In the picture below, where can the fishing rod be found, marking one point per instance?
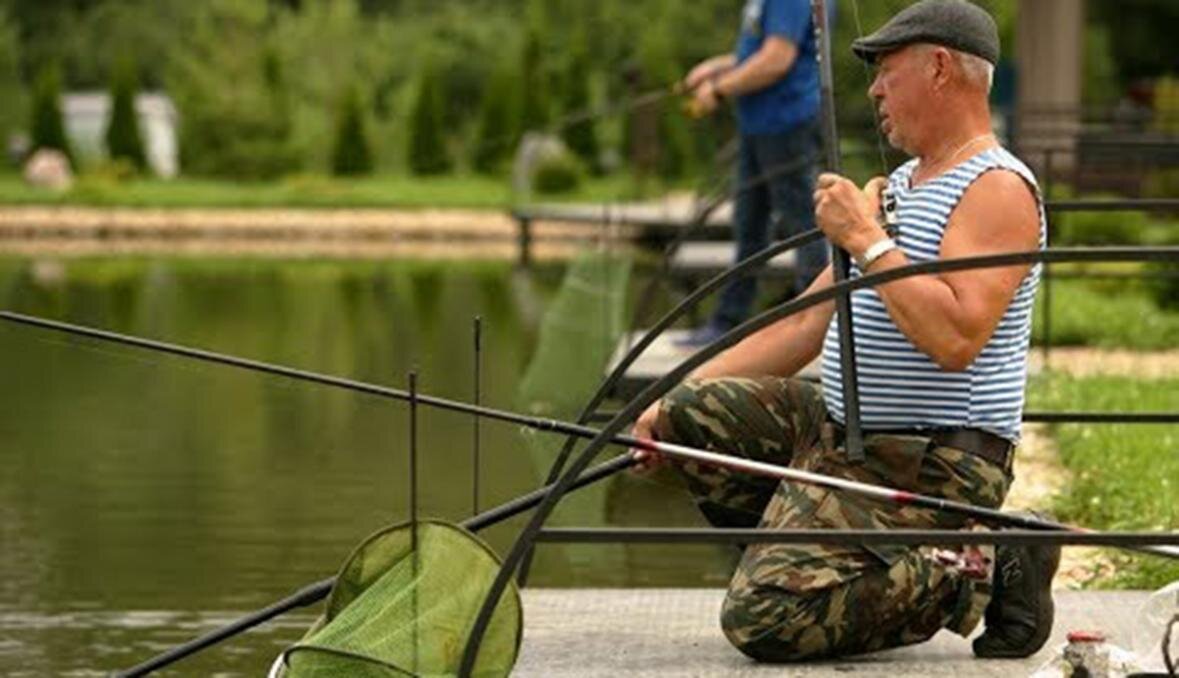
(313, 593)
(840, 260)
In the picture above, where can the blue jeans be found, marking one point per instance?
(784, 201)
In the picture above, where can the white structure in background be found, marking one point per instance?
(87, 115)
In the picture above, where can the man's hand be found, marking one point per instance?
(704, 99)
(644, 429)
(847, 214)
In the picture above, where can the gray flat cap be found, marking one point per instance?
(956, 24)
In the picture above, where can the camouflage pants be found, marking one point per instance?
(800, 602)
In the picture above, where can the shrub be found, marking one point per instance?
(1099, 228)
(352, 155)
(48, 130)
(534, 114)
(427, 143)
(498, 134)
(12, 113)
(557, 174)
(235, 120)
(580, 136)
(123, 140)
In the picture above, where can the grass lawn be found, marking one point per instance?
(1108, 314)
(1125, 476)
(305, 191)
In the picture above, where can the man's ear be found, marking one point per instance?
(944, 65)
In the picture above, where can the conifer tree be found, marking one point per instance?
(580, 136)
(48, 129)
(352, 154)
(534, 115)
(12, 112)
(123, 139)
(497, 134)
(427, 142)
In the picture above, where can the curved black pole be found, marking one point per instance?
(840, 261)
(313, 593)
(527, 536)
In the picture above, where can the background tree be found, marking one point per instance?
(352, 155)
(231, 94)
(47, 128)
(123, 139)
(427, 143)
(12, 91)
(498, 131)
(534, 113)
(581, 137)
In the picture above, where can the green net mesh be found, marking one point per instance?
(396, 610)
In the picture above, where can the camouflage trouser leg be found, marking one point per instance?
(800, 602)
(764, 419)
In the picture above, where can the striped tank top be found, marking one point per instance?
(901, 387)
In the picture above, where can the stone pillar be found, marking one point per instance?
(1049, 55)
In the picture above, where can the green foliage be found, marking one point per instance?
(12, 112)
(673, 144)
(1106, 314)
(231, 94)
(352, 155)
(1099, 228)
(581, 137)
(123, 139)
(534, 113)
(48, 128)
(1124, 477)
(1166, 105)
(427, 149)
(497, 132)
(557, 174)
(1100, 81)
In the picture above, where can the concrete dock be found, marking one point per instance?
(674, 632)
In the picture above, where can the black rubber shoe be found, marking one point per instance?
(1019, 616)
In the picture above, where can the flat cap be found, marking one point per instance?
(956, 24)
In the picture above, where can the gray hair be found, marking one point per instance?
(976, 71)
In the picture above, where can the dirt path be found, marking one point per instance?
(1088, 362)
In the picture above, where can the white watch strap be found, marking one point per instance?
(875, 251)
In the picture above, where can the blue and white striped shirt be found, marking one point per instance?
(901, 387)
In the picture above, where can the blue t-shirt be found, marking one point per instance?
(795, 98)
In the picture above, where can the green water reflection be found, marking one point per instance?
(146, 498)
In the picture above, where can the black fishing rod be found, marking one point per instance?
(313, 593)
(840, 261)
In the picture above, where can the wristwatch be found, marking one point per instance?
(875, 251)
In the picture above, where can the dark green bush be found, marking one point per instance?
(557, 174)
(580, 137)
(352, 155)
(498, 132)
(123, 138)
(48, 129)
(1099, 228)
(427, 141)
(534, 113)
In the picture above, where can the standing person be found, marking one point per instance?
(942, 370)
(773, 76)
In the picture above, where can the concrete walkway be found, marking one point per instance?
(674, 632)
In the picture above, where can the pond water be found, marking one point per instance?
(145, 498)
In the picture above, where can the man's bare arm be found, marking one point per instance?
(767, 65)
(783, 348)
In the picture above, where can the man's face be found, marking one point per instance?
(901, 93)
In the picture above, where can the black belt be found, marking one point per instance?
(977, 442)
